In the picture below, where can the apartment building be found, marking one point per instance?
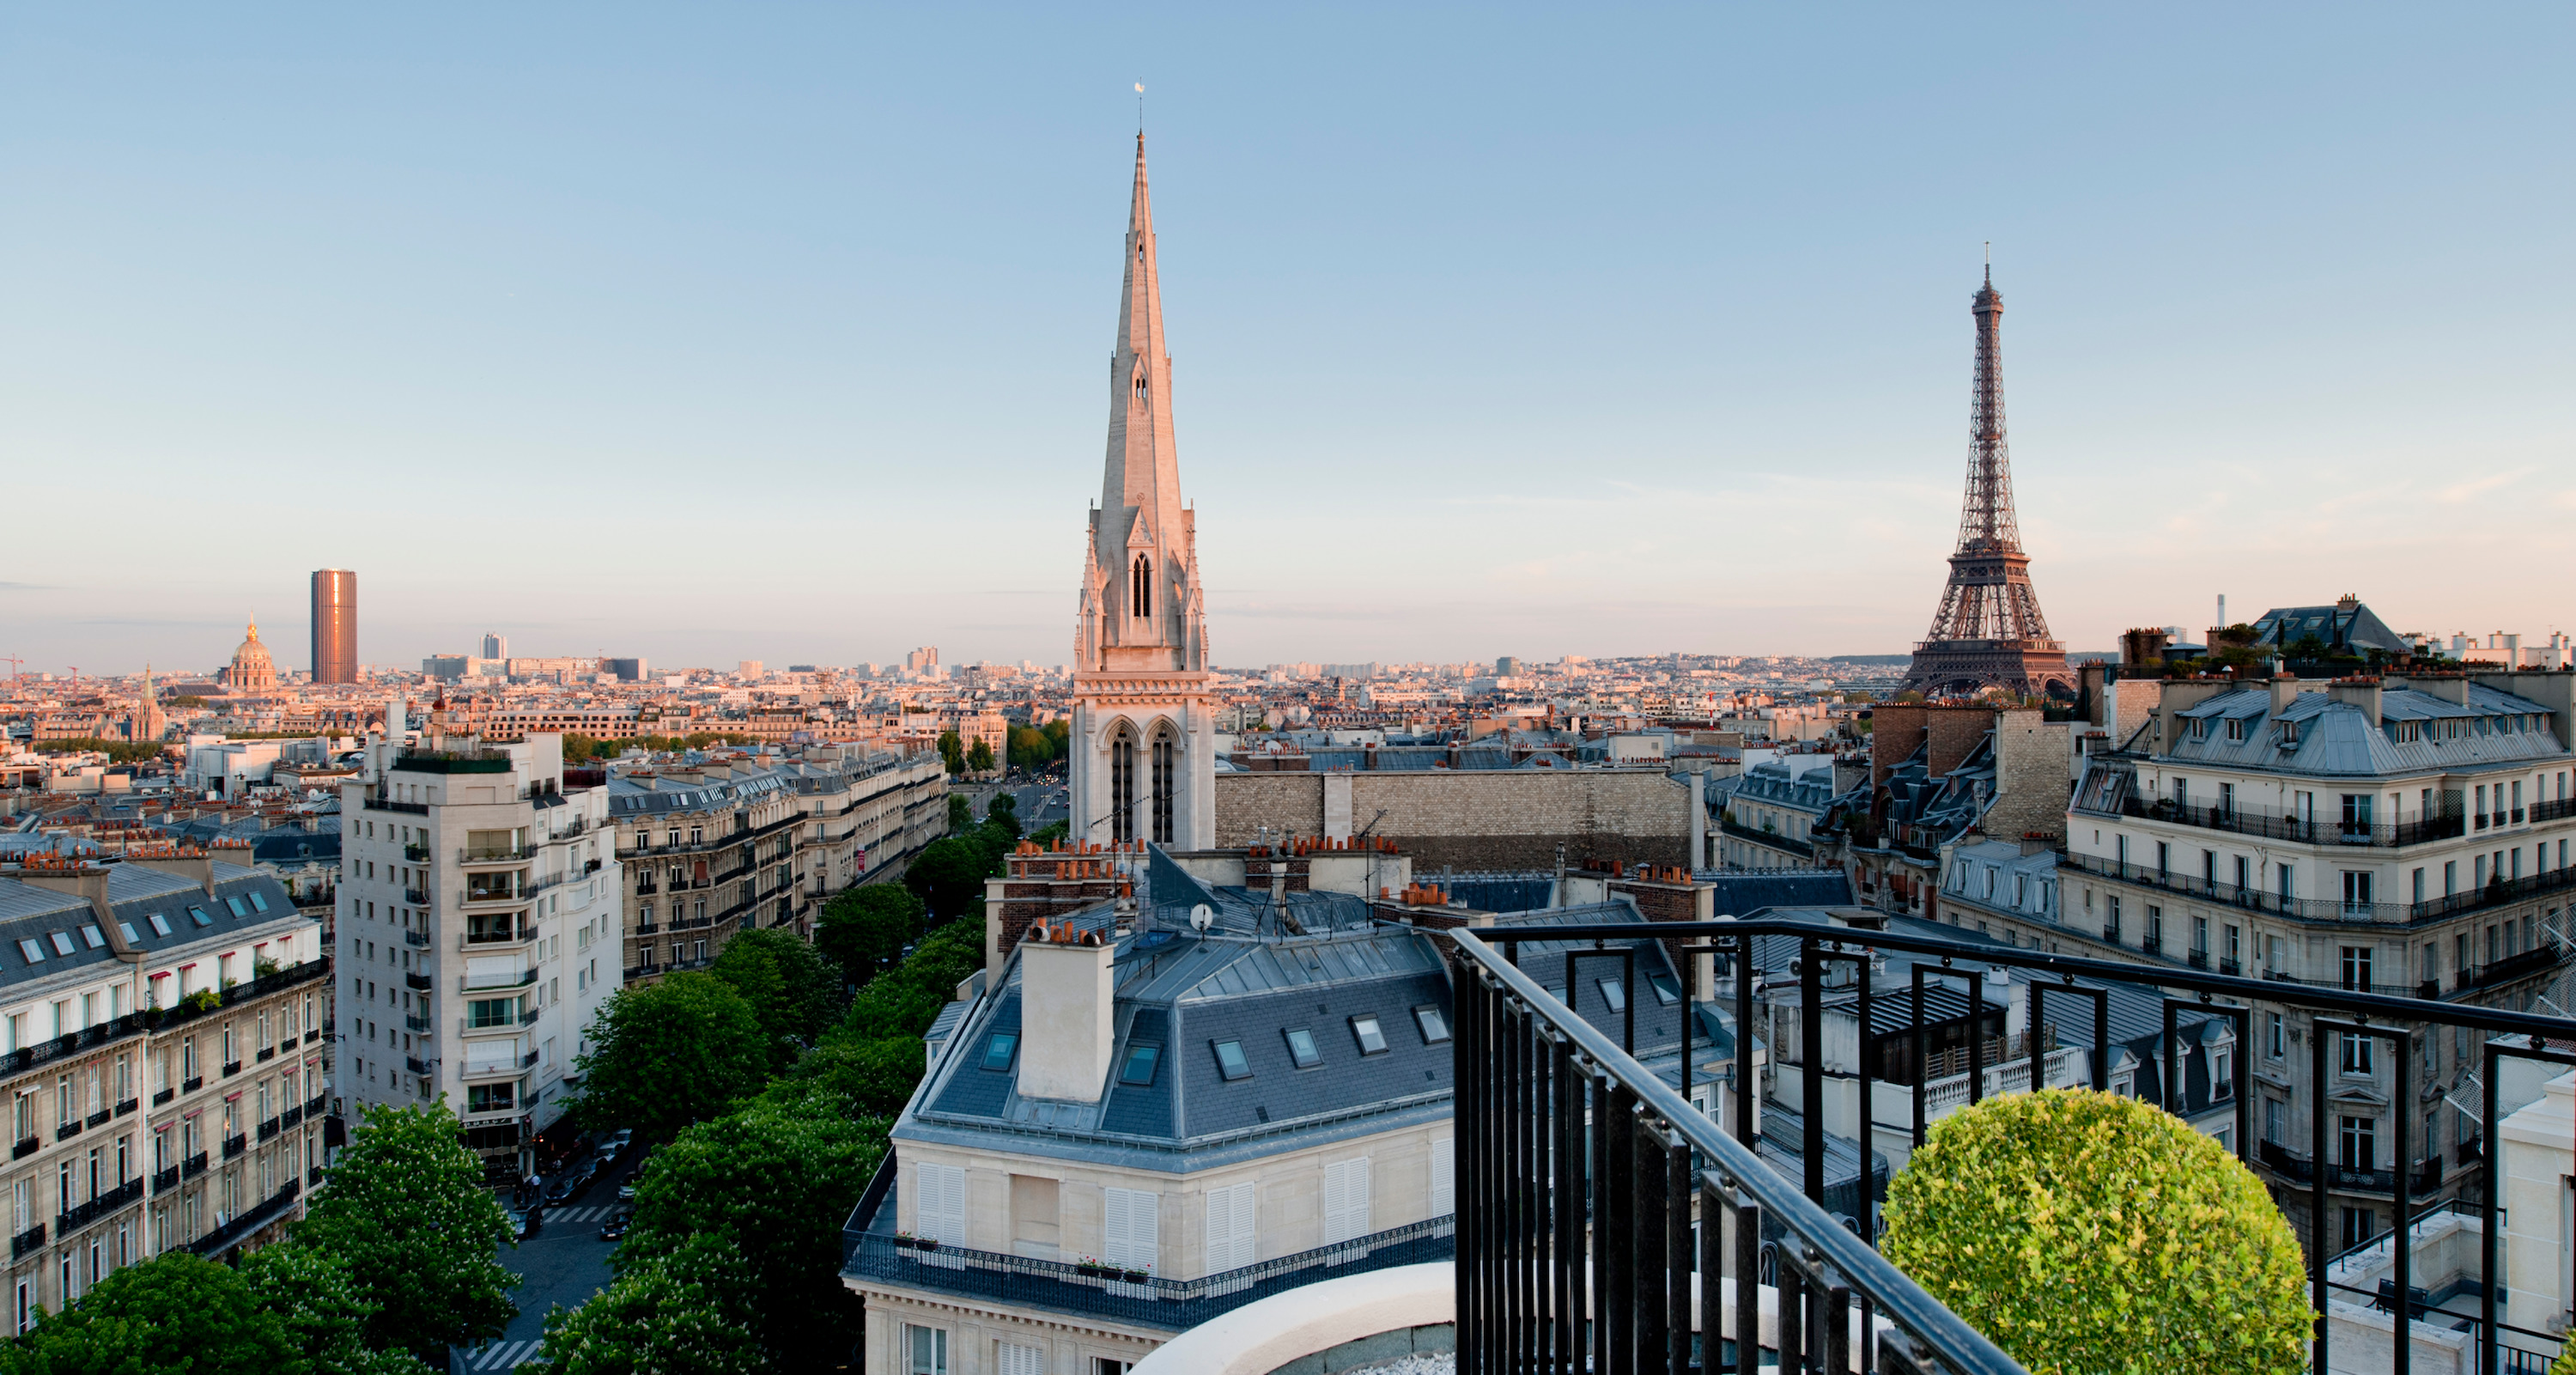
(709, 849)
(1767, 816)
(167, 1066)
(2403, 835)
(867, 812)
(479, 929)
(1128, 1131)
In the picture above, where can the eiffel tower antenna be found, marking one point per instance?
(1988, 632)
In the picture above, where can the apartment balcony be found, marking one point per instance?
(413, 1021)
(224, 1238)
(419, 982)
(129, 1192)
(2536, 960)
(2313, 830)
(27, 1243)
(417, 940)
(417, 854)
(1727, 826)
(164, 1180)
(495, 983)
(235, 1144)
(495, 854)
(193, 1166)
(2328, 910)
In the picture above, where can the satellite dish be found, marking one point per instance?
(1202, 917)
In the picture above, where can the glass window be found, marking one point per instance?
(92, 937)
(925, 1350)
(1435, 1028)
(1141, 1059)
(1614, 995)
(239, 908)
(258, 901)
(62, 942)
(198, 915)
(1301, 1048)
(998, 1049)
(1665, 992)
(1372, 1040)
(1230, 1061)
(160, 924)
(31, 952)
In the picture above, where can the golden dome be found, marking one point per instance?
(252, 668)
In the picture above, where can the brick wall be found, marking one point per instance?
(1953, 734)
(2031, 784)
(1895, 730)
(1476, 819)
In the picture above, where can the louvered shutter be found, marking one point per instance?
(1346, 1200)
(1229, 1228)
(1128, 1227)
(1015, 1359)
(939, 1203)
(1444, 1176)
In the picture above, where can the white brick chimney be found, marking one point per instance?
(1066, 992)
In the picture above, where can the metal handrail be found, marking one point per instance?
(1894, 1296)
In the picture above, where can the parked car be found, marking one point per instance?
(520, 1224)
(562, 1190)
(615, 1227)
(626, 1191)
(617, 1142)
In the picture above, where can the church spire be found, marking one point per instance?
(1143, 470)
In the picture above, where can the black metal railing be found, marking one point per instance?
(2334, 910)
(2255, 821)
(83, 1214)
(871, 1250)
(1728, 826)
(268, 1210)
(1545, 1237)
(27, 1243)
(164, 1180)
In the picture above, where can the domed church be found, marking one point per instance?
(252, 670)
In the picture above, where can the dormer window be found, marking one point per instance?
(2236, 728)
(2200, 728)
(2289, 733)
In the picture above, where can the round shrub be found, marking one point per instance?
(2085, 1233)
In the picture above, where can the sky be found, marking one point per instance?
(715, 333)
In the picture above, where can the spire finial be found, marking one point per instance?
(1990, 262)
(1140, 114)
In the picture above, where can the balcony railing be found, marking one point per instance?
(1728, 826)
(2314, 830)
(86, 1213)
(1581, 1173)
(223, 1238)
(26, 1243)
(2323, 909)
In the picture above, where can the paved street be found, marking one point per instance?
(565, 1264)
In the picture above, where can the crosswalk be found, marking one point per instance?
(594, 1213)
(500, 1356)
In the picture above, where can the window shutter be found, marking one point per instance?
(1444, 1176)
(1015, 1359)
(1346, 1200)
(1129, 1224)
(1229, 1228)
(939, 1203)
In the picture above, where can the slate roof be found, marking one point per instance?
(2337, 738)
(2356, 628)
(244, 900)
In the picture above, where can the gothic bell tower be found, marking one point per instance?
(1144, 728)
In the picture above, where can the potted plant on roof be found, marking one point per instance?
(1138, 1274)
(1090, 1267)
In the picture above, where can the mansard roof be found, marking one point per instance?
(2335, 737)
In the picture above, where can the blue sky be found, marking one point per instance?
(780, 332)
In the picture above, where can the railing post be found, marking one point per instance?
(1811, 1068)
(2404, 1043)
(1744, 1082)
(1748, 1290)
(2318, 1106)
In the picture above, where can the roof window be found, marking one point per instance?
(2236, 728)
(1613, 994)
(239, 908)
(1665, 993)
(62, 942)
(258, 900)
(1372, 1039)
(198, 915)
(1435, 1028)
(92, 937)
(1301, 1048)
(999, 1048)
(160, 924)
(1142, 1057)
(31, 951)
(1230, 1061)
(128, 928)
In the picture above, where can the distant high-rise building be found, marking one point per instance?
(624, 670)
(922, 660)
(1507, 667)
(335, 626)
(495, 645)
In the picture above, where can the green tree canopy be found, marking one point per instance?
(1005, 807)
(776, 1181)
(1032, 749)
(687, 1311)
(407, 1214)
(952, 752)
(961, 814)
(791, 988)
(174, 1312)
(863, 929)
(948, 875)
(858, 1077)
(317, 1304)
(668, 1054)
(979, 756)
(2084, 1232)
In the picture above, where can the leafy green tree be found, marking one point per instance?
(791, 988)
(669, 1054)
(864, 928)
(952, 752)
(860, 1077)
(1003, 814)
(961, 814)
(979, 756)
(1059, 731)
(316, 1301)
(1051, 832)
(683, 1312)
(903, 1000)
(2086, 1232)
(1031, 749)
(776, 1182)
(174, 1312)
(948, 875)
(408, 1215)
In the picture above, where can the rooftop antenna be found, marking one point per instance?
(1140, 109)
(1990, 255)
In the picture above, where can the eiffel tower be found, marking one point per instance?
(1988, 632)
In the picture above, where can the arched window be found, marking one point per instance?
(1163, 781)
(1122, 785)
(1141, 595)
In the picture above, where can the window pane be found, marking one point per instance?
(999, 1049)
(1301, 1048)
(1372, 1040)
(1141, 1060)
(1230, 1061)
(1434, 1027)
(1614, 995)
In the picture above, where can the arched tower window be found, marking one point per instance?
(1122, 785)
(1164, 750)
(1141, 595)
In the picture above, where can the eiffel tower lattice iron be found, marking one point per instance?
(1989, 632)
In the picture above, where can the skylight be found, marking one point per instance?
(258, 900)
(998, 1049)
(92, 937)
(1372, 1040)
(1301, 1048)
(1614, 995)
(34, 953)
(1665, 993)
(198, 915)
(239, 908)
(1230, 1061)
(1142, 1057)
(62, 942)
(160, 924)
(1435, 1028)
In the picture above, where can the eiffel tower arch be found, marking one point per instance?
(1989, 632)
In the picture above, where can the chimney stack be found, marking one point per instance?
(1066, 996)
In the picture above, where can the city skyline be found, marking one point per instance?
(1464, 372)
